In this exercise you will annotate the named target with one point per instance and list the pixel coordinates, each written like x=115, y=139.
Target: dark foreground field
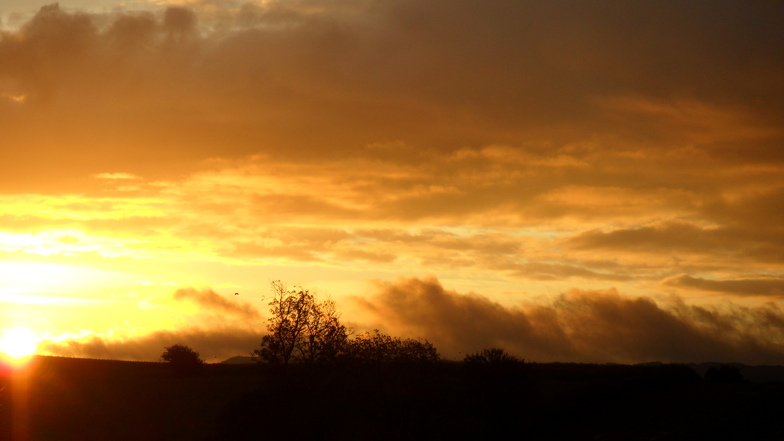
x=79, y=399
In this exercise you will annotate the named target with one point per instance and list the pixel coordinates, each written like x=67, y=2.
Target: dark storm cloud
x=595, y=326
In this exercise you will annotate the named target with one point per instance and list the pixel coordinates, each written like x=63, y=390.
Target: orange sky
x=569, y=181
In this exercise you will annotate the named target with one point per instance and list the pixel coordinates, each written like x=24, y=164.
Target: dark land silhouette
x=312, y=380
x=84, y=399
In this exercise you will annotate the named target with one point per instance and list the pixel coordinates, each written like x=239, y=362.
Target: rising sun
x=18, y=343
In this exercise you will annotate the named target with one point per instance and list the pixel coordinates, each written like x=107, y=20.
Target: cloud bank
x=216, y=326
x=289, y=78
x=583, y=326
x=576, y=326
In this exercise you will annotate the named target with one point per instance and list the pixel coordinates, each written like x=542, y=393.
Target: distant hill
x=239, y=360
x=755, y=374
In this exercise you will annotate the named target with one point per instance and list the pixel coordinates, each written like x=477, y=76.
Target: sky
x=567, y=180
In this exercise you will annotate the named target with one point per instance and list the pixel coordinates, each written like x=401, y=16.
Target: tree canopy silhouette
x=377, y=347
x=301, y=328
x=183, y=359
x=492, y=356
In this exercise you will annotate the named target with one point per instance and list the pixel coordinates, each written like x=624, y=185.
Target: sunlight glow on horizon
x=18, y=344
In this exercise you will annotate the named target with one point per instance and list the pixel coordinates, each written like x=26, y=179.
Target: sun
x=18, y=343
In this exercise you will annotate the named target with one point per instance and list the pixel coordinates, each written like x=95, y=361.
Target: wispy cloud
x=51, y=301
x=213, y=345
x=765, y=287
x=210, y=300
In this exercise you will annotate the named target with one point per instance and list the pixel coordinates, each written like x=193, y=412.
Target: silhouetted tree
x=324, y=335
x=492, y=356
x=301, y=328
x=378, y=347
x=183, y=359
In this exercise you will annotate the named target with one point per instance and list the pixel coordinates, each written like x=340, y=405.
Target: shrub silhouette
x=492, y=356
x=376, y=347
x=183, y=359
